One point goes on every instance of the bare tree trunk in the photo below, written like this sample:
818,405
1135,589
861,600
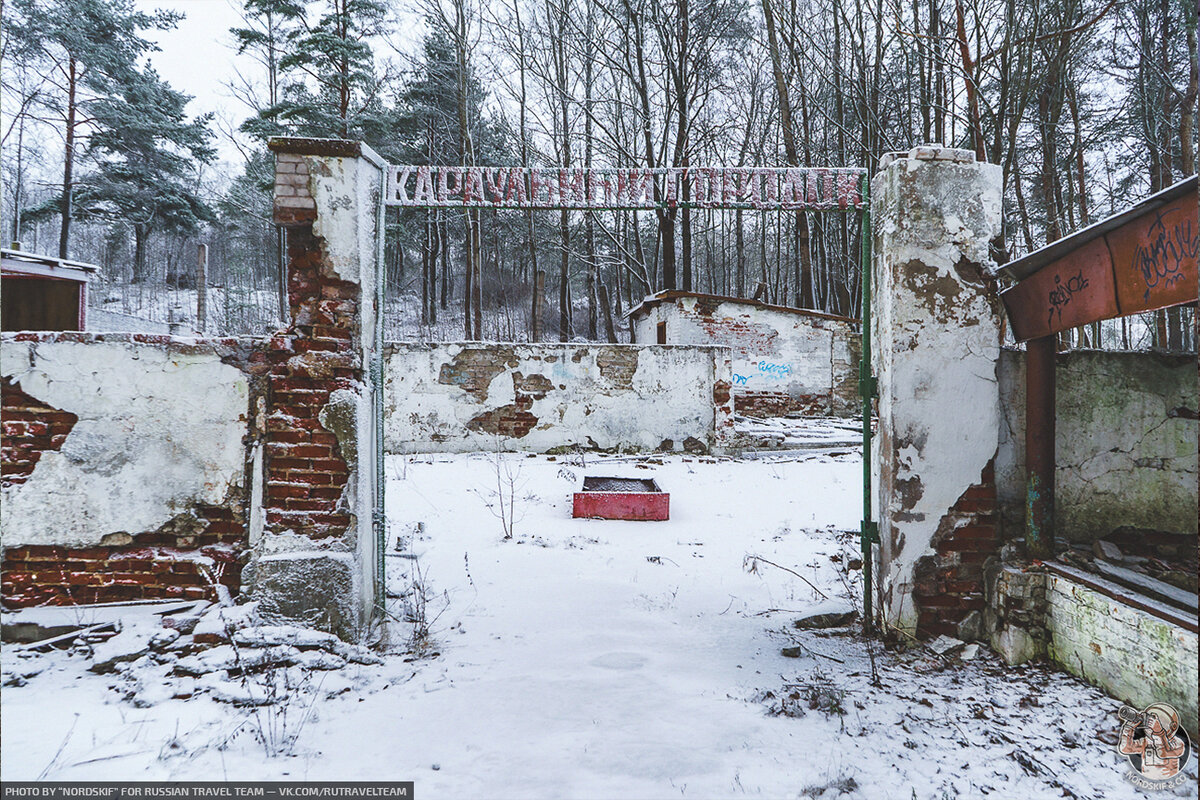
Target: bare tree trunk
1187,112
564,295
64,235
477,246
539,304
609,328
468,276
201,286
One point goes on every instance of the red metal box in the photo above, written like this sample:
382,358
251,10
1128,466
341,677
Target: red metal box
622,498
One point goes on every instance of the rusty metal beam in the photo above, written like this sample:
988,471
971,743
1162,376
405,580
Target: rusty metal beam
1039,447
1125,265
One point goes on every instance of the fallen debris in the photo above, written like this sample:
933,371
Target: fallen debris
49,626
130,644
1151,586
833,613
946,646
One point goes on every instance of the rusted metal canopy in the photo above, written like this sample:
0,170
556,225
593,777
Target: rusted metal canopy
1139,260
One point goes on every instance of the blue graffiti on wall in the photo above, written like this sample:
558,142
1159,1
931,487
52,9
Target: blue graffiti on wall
775,371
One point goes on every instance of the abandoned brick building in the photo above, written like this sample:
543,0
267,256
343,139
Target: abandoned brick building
785,360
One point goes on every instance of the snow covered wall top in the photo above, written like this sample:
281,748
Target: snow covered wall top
538,397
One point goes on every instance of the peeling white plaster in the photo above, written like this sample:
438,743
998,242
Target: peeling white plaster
935,354
805,357
159,430
668,396
346,192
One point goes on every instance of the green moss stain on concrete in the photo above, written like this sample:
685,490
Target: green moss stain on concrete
1128,653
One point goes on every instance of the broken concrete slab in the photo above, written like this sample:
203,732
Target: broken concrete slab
827,614
1144,583
946,646
319,660
130,644
1107,550
273,635
34,625
228,657
318,589
218,623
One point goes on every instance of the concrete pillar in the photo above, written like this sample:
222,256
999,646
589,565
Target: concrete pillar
314,540
937,322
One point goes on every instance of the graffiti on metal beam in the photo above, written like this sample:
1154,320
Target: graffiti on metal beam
1061,294
754,188
1161,258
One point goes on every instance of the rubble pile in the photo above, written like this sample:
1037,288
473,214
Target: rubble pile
230,653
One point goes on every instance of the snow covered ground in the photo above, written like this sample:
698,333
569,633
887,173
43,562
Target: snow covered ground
599,659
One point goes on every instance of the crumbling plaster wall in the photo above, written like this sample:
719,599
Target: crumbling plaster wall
1130,653
938,338
782,362
124,467
160,429
1125,443
315,550
538,397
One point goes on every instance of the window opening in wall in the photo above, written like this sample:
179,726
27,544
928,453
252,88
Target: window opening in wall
662,333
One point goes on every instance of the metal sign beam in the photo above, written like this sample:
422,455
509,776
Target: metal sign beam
1143,262
749,188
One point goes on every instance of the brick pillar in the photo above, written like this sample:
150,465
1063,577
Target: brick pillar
937,346
313,538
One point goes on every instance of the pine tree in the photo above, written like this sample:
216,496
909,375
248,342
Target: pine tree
268,26
329,85
91,47
146,149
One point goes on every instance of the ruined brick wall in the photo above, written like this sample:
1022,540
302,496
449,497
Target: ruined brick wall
784,361
305,469
464,397
1132,654
124,459
1126,444
935,351
139,466
160,565
948,585
1134,648
315,556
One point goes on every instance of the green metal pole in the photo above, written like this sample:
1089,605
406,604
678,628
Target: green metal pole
867,389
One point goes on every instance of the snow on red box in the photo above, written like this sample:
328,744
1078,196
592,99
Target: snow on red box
622,498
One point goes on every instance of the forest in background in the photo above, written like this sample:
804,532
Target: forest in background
1087,105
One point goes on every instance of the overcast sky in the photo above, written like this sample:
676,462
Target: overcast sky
197,58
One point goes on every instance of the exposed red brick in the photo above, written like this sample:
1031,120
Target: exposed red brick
301,453
948,585
778,404
30,428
